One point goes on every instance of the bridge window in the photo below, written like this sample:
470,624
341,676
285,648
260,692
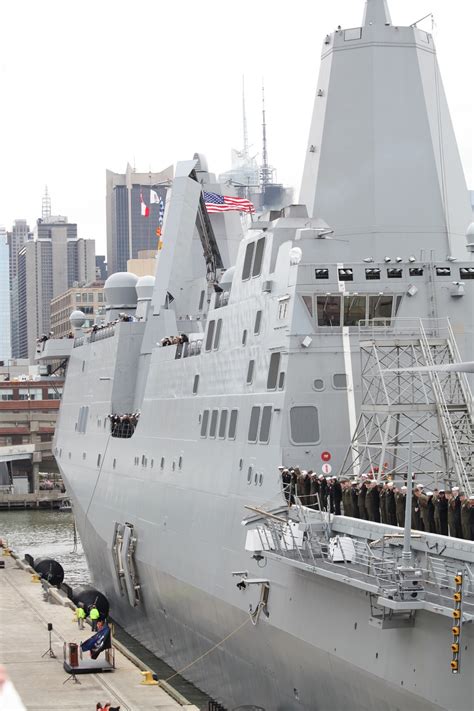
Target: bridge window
354,309
273,371
380,306
210,334
308,302
304,424
443,271
466,272
204,423
329,310
233,423
416,271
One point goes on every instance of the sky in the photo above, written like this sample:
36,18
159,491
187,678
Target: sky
87,86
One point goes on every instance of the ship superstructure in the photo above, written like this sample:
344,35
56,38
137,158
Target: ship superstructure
292,335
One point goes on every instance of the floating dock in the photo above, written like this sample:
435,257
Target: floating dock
27,649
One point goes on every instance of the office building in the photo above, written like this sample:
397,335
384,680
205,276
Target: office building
132,218
100,267
144,265
88,299
47,266
17,238
5,336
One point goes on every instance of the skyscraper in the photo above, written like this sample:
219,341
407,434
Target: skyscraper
47,266
19,235
128,230
5,340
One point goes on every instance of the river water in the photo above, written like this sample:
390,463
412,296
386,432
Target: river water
46,533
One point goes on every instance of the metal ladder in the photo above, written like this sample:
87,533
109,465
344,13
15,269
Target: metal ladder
463,466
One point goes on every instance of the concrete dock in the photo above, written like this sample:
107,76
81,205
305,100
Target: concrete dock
24,616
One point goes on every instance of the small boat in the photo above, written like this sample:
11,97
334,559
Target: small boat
65,505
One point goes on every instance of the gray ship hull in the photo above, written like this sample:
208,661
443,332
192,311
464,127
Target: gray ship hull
316,650
290,333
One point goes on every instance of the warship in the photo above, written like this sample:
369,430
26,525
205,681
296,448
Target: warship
333,335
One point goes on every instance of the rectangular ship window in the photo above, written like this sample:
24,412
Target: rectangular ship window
329,310
345,274
250,371
223,424
210,334
253,425
257,263
380,307
204,423
273,371
248,261
265,424
218,334
233,423
304,424
372,273
354,310
321,273
213,427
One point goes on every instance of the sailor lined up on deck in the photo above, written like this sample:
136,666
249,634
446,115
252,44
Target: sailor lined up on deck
438,511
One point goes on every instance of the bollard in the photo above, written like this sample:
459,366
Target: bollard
148,680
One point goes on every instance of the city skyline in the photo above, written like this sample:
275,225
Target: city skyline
156,106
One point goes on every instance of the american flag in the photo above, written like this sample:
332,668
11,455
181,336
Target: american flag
224,203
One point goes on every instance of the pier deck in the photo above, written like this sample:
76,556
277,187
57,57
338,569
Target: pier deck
24,616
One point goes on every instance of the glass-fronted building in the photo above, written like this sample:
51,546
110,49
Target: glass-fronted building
5,316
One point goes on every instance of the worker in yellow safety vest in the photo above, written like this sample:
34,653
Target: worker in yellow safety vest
80,615
94,615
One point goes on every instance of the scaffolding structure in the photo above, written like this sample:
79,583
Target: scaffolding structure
398,401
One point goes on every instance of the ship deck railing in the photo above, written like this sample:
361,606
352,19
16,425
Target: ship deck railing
186,350
404,326
370,566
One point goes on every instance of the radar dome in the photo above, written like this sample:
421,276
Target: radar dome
120,290
145,286
77,319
